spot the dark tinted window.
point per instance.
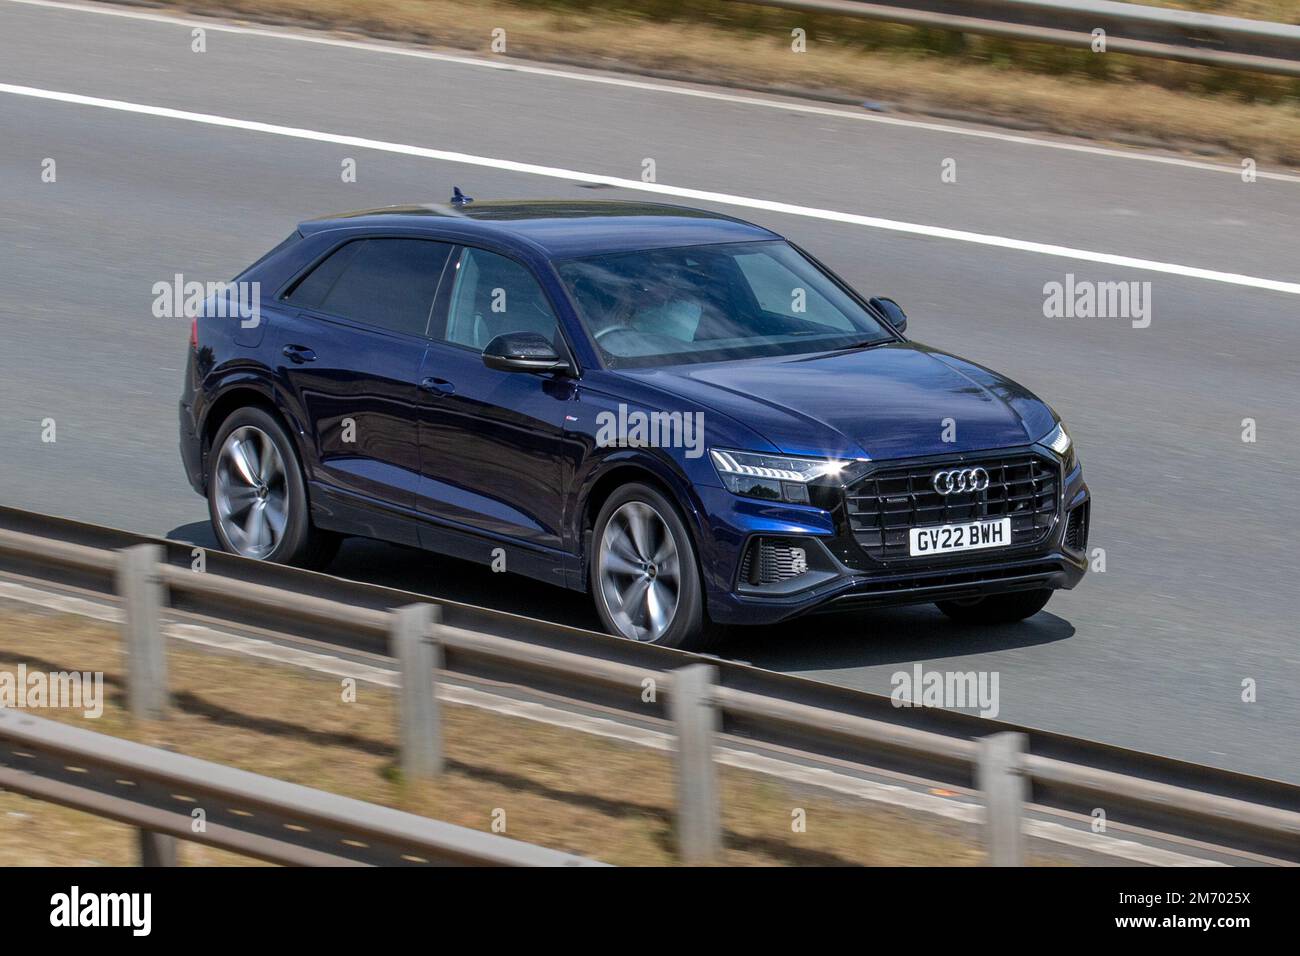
(310, 292)
(388, 283)
(292, 239)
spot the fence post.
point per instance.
(419, 657)
(695, 721)
(140, 586)
(157, 849)
(1000, 775)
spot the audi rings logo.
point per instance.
(959, 480)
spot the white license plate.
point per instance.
(968, 536)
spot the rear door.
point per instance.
(352, 350)
(492, 440)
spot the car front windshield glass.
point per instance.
(713, 303)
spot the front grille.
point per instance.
(769, 561)
(886, 503)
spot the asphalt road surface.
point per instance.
(1199, 528)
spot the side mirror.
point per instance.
(892, 311)
(522, 352)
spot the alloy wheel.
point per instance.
(639, 572)
(252, 492)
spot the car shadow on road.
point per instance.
(819, 642)
(411, 569)
(198, 533)
(883, 636)
(455, 579)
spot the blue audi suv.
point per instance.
(681, 413)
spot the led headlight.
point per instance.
(774, 477)
(1058, 439)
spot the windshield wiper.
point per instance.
(863, 344)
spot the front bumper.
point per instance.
(841, 575)
(1055, 569)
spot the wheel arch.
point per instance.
(620, 471)
(247, 394)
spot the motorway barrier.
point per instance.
(1138, 791)
(168, 796)
(419, 658)
(1234, 43)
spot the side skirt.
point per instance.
(351, 515)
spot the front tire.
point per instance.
(644, 574)
(997, 608)
(257, 498)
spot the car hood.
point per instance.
(890, 401)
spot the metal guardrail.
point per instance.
(1206, 39)
(1140, 790)
(163, 793)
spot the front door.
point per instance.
(492, 441)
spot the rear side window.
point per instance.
(292, 239)
(387, 283)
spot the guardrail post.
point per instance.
(695, 720)
(1000, 775)
(419, 657)
(140, 586)
(157, 849)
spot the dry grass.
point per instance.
(1279, 11)
(1072, 92)
(558, 788)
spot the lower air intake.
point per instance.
(1076, 530)
(772, 560)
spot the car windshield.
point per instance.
(714, 303)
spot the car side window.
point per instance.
(387, 283)
(493, 295)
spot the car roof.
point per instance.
(562, 229)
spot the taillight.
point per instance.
(194, 333)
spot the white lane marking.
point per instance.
(655, 87)
(959, 811)
(680, 192)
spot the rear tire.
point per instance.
(997, 608)
(257, 499)
(644, 575)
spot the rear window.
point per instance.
(387, 283)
